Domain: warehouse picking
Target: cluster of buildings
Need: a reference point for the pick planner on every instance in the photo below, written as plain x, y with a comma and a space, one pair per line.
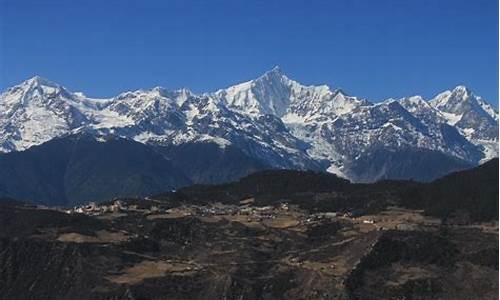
218, 209
94, 209
148, 206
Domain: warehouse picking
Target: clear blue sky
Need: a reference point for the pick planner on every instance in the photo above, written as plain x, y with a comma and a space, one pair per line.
372, 49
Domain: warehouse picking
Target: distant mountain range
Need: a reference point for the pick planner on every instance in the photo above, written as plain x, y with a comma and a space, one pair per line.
58, 144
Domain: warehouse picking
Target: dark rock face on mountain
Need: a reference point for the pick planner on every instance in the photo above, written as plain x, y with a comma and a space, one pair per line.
271, 235
79, 169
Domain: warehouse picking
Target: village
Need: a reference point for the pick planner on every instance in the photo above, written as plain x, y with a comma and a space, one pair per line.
155, 209
282, 215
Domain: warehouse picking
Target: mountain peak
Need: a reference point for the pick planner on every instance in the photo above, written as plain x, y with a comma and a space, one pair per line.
37, 81
275, 72
267, 94
338, 91
159, 89
457, 95
462, 105
461, 89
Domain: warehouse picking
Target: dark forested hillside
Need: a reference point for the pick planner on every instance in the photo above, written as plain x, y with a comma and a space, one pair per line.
405, 164
470, 194
208, 163
78, 169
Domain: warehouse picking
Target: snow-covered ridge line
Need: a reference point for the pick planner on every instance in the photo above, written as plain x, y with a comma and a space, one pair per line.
272, 118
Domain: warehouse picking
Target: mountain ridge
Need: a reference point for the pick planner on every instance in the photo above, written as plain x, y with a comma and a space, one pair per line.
274, 119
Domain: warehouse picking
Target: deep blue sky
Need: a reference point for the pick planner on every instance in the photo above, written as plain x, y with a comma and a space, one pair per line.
372, 49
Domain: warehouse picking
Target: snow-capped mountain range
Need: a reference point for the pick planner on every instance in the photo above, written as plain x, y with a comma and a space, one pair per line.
273, 119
